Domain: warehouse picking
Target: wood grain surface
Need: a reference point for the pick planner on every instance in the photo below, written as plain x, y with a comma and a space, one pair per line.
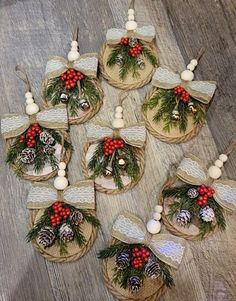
30, 31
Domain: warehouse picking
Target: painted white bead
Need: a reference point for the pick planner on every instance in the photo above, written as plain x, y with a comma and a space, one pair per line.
28, 95
74, 48
32, 109
214, 172
223, 157
194, 62
74, 44
60, 183
190, 67
131, 25
131, 17
218, 163
119, 109
29, 101
61, 173
187, 75
131, 11
153, 226
62, 165
158, 208
156, 216
118, 115
73, 55
118, 123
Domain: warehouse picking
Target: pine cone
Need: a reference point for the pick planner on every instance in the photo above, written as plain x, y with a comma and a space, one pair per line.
140, 63
183, 217
192, 193
49, 149
134, 284
152, 269
207, 214
122, 260
133, 42
46, 236
76, 218
46, 138
66, 233
119, 60
28, 155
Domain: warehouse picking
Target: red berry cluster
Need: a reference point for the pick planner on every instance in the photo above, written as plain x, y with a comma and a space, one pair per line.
124, 41
59, 213
110, 145
140, 257
71, 77
183, 95
31, 134
135, 51
205, 192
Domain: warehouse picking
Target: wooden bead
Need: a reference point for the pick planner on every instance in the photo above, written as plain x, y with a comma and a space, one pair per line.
74, 44
60, 183
119, 109
131, 11
223, 157
29, 101
118, 115
28, 95
194, 62
187, 75
218, 163
214, 172
131, 17
156, 216
158, 208
62, 165
118, 123
131, 25
61, 173
32, 109
190, 67
153, 226
73, 55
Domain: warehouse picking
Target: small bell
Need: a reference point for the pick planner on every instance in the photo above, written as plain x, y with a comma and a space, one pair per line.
119, 59
121, 162
140, 63
84, 105
64, 98
108, 172
175, 115
191, 107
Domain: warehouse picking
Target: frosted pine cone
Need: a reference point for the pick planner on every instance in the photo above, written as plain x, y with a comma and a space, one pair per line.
134, 284
133, 42
207, 214
140, 63
192, 193
76, 218
123, 260
119, 60
28, 155
49, 149
46, 236
183, 217
152, 269
66, 233
46, 138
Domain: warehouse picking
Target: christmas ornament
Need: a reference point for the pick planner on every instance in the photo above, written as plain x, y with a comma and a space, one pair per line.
63, 225
136, 266
200, 200
73, 81
129, 56
114, 156
174, 110
36, 142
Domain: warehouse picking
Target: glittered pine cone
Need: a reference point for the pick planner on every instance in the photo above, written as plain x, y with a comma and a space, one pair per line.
46, 236
28, 155
66, 233
46, 138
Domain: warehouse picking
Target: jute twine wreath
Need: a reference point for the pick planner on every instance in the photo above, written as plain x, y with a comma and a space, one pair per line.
160, 134
65, 156
77, 251
111, 74
140, 153
170, 224
88, 115
152, 290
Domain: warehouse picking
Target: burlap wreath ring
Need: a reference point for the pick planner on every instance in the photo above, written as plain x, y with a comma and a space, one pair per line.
53, 122
74, 82
213, 210
125, 163
129, 56
131, 230
174, 109
59, 243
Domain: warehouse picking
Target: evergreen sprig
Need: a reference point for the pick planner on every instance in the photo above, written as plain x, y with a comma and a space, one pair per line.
166, 100
183, 202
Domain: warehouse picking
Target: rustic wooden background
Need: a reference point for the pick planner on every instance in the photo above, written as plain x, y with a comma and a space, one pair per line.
31, 31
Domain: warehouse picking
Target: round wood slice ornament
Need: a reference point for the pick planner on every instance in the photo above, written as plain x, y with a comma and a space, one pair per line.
36, 141
129, 56
73, 81
195, 200
138, 264
174, 109
114, 156
63, 226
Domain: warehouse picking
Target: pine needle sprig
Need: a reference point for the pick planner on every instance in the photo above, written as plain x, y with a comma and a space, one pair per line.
78, 235
148, 54
91, 219
62, 247
112, 250
183, 116
165, 274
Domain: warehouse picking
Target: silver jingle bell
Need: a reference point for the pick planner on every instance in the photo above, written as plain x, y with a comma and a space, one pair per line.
64, 98
84, 105
121, 162
175, 115
191, 107
108, 172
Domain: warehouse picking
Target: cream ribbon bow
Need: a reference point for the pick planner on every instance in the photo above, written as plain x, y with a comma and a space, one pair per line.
12, 125
130, 229
192, 171
80, 195
203, 91
86, 63
133, 135
145, 33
